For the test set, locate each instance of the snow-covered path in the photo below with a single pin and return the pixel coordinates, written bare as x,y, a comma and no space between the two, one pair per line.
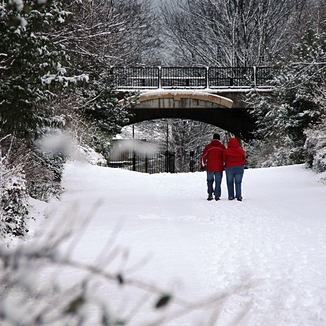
266,255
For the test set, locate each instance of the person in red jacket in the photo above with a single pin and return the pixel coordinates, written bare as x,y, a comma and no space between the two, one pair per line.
234,158
212,158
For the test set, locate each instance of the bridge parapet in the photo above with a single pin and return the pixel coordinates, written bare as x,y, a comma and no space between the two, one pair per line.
208,78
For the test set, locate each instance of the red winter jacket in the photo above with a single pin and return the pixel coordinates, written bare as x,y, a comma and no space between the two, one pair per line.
213,156
234,155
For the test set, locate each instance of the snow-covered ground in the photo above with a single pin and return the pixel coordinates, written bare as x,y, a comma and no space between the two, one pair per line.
257,262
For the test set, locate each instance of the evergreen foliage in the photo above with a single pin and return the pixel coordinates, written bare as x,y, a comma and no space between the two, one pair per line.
14,204
285,114
31,67
102,111
29,63
315,148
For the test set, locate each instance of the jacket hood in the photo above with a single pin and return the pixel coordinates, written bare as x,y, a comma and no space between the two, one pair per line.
233,142
215,141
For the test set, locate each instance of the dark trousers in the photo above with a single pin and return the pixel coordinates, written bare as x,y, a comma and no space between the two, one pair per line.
217,178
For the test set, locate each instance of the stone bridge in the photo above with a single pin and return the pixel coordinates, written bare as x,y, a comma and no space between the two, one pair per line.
215,97
209,108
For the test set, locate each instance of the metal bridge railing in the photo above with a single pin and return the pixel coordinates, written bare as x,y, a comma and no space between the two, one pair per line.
193,77
183,77
136,77
231,77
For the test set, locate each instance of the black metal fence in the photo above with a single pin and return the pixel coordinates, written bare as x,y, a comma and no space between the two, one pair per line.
193,77
147,163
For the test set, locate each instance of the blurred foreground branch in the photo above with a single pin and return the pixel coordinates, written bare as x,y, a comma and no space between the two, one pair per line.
42,284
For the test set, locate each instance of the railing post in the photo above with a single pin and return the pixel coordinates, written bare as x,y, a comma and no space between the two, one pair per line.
255,76
207,81
159,77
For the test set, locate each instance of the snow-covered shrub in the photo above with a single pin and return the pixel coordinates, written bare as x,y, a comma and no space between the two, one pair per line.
14,203
315,145
268,152
315,148
13,192
42,168
44,172
90,155
26,171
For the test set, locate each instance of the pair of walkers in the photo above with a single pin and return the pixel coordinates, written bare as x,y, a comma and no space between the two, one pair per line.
216,157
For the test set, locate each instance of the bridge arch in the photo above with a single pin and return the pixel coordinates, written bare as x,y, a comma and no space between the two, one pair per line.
183,99
194,105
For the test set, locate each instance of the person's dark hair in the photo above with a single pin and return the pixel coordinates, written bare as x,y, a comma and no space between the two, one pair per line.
216,136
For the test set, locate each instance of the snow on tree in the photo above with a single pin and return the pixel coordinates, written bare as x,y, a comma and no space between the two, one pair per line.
285,115
30,63
32,68
98,35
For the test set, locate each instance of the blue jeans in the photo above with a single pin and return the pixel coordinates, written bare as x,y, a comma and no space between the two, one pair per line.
234,177
217,178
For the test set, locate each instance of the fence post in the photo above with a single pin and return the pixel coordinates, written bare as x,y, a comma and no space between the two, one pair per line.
255,76
172,162
166,161
192,161
134,161
169,162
